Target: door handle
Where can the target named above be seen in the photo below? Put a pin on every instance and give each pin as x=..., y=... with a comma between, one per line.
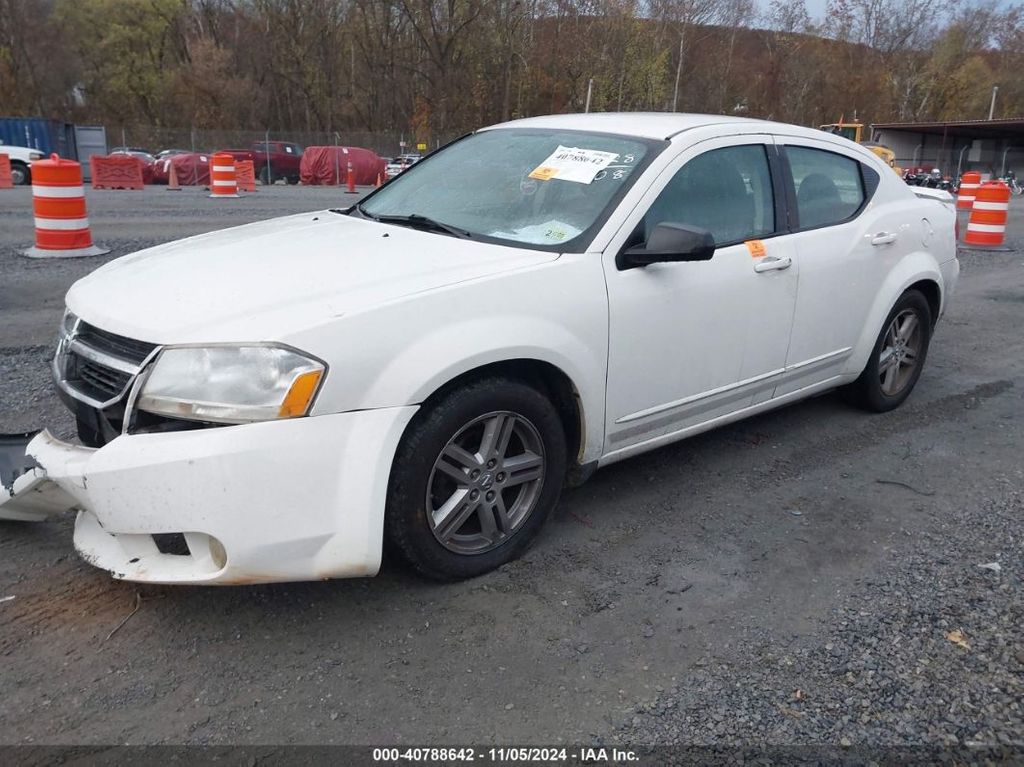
x=771, y=263
x=884, y=238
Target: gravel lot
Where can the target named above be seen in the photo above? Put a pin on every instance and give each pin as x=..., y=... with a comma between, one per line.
x=812, y=576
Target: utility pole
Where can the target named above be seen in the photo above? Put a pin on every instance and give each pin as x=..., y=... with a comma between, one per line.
x=992, y=106
x=679, y=71
x=337, y=160
x=590, y=90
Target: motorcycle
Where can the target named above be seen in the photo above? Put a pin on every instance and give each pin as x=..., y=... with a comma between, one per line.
x=1012, y=182
x=937, y=182
x=913, y=179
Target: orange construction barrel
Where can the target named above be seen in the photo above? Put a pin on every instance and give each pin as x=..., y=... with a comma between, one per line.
x=58, y=201
x=223, y=178
x=987, y=225
x=969, y=183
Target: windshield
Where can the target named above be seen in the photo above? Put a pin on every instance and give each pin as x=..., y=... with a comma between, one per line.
x=547, y=189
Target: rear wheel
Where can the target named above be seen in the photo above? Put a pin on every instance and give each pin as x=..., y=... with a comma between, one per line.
x=265, y=176
x=897, y=358
x=474, y=478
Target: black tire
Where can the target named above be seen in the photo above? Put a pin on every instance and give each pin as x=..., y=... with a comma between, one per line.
x=867, y=391
x=21, y=175
x=265, y=176
x=409, y=531
x=293, y=180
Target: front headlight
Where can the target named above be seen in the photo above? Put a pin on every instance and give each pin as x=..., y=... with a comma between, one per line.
x=68, y=323
x=35, y=156
x=68, y=326
x=230, y=384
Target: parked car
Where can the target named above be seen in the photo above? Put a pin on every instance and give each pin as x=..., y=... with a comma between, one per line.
x=272, y=160
x=190, y=168
x=147, y=160
x=330, y=165
x=400, y=164
x=433, y=364
x=21, y=158
x=163, y=154
x=162, y=167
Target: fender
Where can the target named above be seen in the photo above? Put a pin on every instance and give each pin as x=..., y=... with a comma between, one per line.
x=526, y=338
x=403, y=352
x=915, y=267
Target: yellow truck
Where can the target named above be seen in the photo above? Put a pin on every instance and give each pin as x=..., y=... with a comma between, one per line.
x=855, y=132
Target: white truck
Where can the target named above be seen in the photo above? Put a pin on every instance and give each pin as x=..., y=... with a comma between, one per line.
x=21, y=158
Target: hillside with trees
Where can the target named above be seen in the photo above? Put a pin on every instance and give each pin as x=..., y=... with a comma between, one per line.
x=435, y=68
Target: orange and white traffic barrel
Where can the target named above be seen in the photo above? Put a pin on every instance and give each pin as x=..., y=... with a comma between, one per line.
x=58, y=201
x=987, y=225
x=223, y=178
x=969, y=183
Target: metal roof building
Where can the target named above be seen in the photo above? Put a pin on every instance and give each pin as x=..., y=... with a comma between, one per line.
x=989, y=146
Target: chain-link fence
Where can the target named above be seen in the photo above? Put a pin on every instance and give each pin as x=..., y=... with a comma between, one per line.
x=154, y=139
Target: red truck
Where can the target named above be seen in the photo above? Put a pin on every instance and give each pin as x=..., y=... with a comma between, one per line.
x=272, y=160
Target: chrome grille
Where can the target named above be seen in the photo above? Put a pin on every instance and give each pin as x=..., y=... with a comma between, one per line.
x=96, y=366
x=113, y=344
x=101, y=379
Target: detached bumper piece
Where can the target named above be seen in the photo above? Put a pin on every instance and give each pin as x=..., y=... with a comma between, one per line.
x=27, y=494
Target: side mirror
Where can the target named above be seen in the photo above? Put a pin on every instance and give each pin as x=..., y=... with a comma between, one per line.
x=670, y=242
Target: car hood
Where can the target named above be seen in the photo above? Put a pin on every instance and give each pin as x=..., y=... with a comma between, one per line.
x=22, y=153
x=263, y=281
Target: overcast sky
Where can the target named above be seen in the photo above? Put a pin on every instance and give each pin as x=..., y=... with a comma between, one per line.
x=816, y=8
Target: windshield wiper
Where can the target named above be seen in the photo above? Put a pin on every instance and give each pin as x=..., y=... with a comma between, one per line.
x=416, y=221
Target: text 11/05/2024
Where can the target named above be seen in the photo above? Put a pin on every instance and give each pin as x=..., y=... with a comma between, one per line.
x=505, y=755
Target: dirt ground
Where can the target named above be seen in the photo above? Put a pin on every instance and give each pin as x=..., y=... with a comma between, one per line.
x=710, y=559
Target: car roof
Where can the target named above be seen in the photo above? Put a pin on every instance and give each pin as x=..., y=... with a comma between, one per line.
x=652, y=125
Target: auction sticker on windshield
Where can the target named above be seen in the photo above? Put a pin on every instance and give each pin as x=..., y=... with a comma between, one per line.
x=569, y=163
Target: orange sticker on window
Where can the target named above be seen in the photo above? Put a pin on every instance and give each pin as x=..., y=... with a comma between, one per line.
x=543, y=174
x=756, y=248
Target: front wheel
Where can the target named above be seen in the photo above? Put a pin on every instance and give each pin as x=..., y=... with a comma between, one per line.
x=897, y=357
x=474, y=478
x=20, y=175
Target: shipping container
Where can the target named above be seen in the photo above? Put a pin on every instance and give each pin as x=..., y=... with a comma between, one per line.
x=48, y=136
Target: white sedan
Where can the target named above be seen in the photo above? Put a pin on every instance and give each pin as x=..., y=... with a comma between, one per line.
x=400, y=164
x=433, y=365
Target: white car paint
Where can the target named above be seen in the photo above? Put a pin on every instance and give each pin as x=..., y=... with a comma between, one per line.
x=21, y=155
x=400, y=164
x=653, y=354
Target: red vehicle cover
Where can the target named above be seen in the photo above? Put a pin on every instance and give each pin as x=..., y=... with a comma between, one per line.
x=323, y=165
x=191, y=169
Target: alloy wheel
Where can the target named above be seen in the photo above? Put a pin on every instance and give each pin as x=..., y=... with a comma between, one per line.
x=485, y=482
x=901, y=351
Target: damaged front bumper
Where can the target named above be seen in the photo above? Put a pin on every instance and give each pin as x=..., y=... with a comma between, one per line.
x=291, y=500
x=28, y=493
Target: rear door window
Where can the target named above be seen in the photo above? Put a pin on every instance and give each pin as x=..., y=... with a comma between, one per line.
x=829, y=186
